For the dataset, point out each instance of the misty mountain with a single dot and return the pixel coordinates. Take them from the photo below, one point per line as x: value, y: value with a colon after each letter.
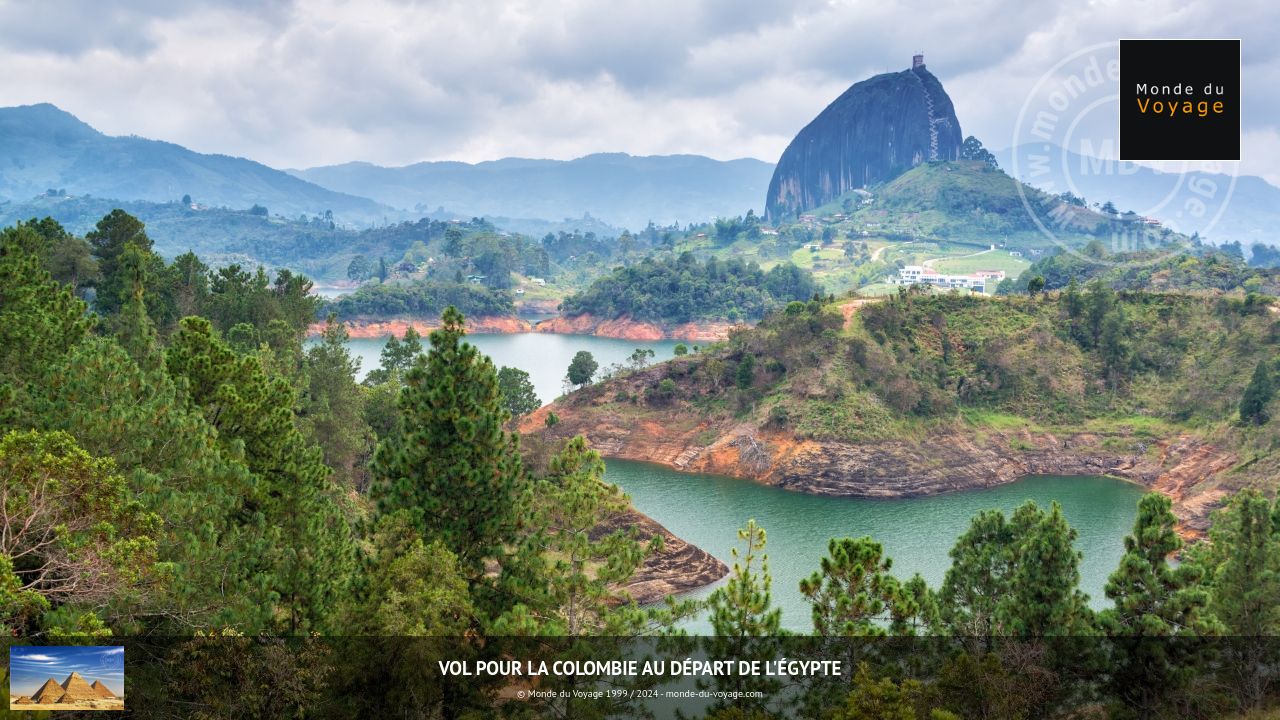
x: 1252, y: 214
x: 616, y: 188
x: 43, y: 147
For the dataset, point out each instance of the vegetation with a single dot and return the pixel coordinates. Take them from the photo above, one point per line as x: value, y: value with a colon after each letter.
x: 1193, y: 267
x: 518, y: 395
x: 683, y: 289
x: 581, y: 369
x: 421, y: 298
x: 175, y: 461
x: 905, y: 364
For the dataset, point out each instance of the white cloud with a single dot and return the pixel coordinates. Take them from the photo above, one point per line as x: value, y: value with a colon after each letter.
x: 321, y: 81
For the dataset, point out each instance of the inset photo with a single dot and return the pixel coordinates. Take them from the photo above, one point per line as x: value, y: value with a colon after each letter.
x: 66, y: 678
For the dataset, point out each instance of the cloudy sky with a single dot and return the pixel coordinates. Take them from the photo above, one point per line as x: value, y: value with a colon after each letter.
x: 298, y: 83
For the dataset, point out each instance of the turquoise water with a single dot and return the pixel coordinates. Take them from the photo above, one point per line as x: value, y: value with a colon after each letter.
x: 916, y: 532
x: 707, y: 510
x: 544, y: 356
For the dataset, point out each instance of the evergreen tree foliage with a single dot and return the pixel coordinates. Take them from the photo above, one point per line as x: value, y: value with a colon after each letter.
x: 1151, y: 597
x: 854, y: 594
x: 584, y: 562
x: 209, y: 548
x: 133, y: 325
x: 332, y: 407
x: 1242, y: 565
x: 109, y: 240
x: 1154, y: 603
x: 1043, y: 598
x: 398, y: 355
x: 744, y: 622
x: 452, y: 468
x: 1015, y: 576
x: 408, y: 588
x: 982, y: 564
x: 293, y: 495
x: 1257, y: 395
x: 40, y: 320
x: 743, y: 606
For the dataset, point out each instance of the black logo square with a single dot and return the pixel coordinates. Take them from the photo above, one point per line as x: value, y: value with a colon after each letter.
x: 1180, y: 99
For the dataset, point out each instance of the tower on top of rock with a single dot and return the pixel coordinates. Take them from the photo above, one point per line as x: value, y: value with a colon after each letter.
x: 917, y: 61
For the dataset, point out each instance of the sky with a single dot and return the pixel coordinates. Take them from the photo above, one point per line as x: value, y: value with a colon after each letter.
x: 301, y: 83
x: 31, y: 666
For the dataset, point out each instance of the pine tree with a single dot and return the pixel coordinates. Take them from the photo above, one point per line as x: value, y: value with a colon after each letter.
x: 398, y: 355
x: 1151, y: 598
x: 40, y: 321
x: 744, y: 621
x: 1242, y: 566
x: 854, y: 594
x: 1043, y: 598
x: 133, y: 326
x: 109, y: 240
x: 212, y: 548
x: 743, y: 606
x: 452, y: 467
x: 1257, y: 395
x: 1153, y: 602
x: 332, y: 409
x: 312, y: 564
x: 583, y: 568
x: 982, y: 564
x: 1246, y: 575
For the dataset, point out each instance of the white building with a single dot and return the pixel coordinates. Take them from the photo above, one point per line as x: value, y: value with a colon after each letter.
x: 981, y: 281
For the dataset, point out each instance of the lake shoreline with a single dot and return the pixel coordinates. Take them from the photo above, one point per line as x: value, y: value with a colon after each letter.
x: 943, y: 461
x: 585, y: 325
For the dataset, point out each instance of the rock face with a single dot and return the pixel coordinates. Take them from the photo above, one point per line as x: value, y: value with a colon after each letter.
x: 627, y: 329
x: 878, y: 129
x: 679, y: 567
x: 381, y: 328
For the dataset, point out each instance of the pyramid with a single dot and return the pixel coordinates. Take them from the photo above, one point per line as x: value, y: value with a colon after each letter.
x: 102, y: 690
x: 49, y: 693
x: 77, y: 689
x: 22, y: 700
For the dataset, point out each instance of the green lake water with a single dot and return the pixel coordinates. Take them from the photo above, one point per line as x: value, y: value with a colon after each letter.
x: 916, y: 532
x: 708, y: 510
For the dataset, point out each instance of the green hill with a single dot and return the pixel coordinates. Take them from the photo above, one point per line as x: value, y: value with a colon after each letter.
x: 922, y: 393
x: 973, y: 203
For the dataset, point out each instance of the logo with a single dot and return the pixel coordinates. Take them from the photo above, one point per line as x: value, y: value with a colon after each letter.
x: 1066, y: 144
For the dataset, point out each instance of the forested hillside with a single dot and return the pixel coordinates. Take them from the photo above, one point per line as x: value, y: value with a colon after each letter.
x: 682, y: 289
x: 178, y: 461
x: 1197, y: 268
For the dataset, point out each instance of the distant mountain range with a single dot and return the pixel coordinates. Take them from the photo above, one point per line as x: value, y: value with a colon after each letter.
x: 619, y: 189
x: 43, y: 148
x: 1252, y: 214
